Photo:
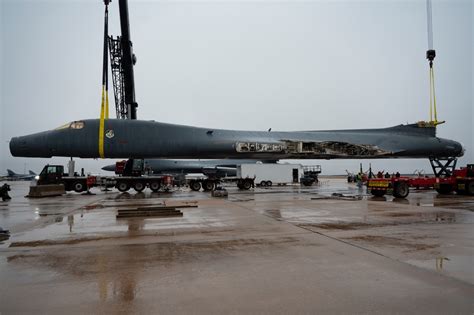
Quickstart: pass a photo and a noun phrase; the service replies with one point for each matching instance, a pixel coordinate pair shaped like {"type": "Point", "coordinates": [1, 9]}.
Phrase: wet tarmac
{"type": "Point", "coordinates": [270, 250]}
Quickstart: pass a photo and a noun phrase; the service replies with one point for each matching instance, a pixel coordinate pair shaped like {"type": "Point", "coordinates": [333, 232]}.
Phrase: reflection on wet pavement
{"type": "Point", "coordinates": [454, 264]}
{"type": "Point", "coordinates": [122, 270]}
{"type": "Point", "coordinates": [407, 246]}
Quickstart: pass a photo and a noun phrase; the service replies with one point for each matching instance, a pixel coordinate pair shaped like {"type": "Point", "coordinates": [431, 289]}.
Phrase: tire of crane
{"type": "Point", "coordinates": [138, 186]}
{"type": "Point", "coordinates": [470, 188]}
{"type": "Point", "coordinates": [208, 185]}
{"type": "Point", "coordinates": [269, 183]}
{"type": "Point", "coordinates": [263, 183]}
{"type": "Point", "coordinates": [195, 185]}
{"type": "Point", "coordinates": [246, 184]}
{"type": "Point", "coordinates": [378, 193]}
{"type": "Point", "coordinates": [444, 189]}
{"type": "Point", "coordinates": [401, 190]}
{"type": "Point", "coordinates": [79, 186]}
{"type": "Point", "coordinates": [155, 186]}
{"type": "Point", "coordinates": [123, 186]}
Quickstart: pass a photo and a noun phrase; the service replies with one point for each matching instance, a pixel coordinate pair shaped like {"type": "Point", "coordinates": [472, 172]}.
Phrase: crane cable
{"type": "Point", "coordinates": [430, 55]}
{"type": "Point", "coordinates": [432, 98]}
{"type": "Point", "coordinates": [104, 106]}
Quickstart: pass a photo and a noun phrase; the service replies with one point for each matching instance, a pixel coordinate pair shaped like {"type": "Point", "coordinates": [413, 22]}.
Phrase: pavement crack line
{"type": "Point", "coordinates": [345, 242]}
{"type": "Point", "coordinates": [322, 234]}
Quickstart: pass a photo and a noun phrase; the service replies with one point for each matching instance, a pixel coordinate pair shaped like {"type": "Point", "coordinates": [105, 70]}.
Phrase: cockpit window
{"type": "Point", "coordinates": [72, 125]}
{"type": "Point", "coordinates": [77, 125]}
{"type": "Point", "coordinates": [66, 126]}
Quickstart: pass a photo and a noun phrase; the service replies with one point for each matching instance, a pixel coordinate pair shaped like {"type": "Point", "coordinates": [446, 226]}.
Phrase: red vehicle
{"type": "Point", "coordinates": [422, 182]}
{"type": "Point", "coordinates": [396, 186]}
{"type": "Point", "coordinates": [462, 182]}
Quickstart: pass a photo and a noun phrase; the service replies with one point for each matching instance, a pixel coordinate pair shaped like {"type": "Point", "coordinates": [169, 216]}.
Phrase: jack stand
{"type": "Point", "coordinates": [443, 167]}
{"type": "Point", "coordinates": [71, 168]}
{"type": "Point", "coordinates": [103, 186]}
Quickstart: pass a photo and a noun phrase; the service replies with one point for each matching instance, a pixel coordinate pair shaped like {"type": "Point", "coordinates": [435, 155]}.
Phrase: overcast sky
{"type": "Point", "coordinates": [249, 65]}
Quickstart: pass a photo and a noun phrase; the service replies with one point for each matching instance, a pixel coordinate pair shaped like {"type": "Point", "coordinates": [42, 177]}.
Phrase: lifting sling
{"type": "Point", "coordinates": [104, 106]}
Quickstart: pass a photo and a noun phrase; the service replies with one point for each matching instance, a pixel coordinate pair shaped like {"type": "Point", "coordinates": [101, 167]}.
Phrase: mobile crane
{"type": "Point", "coordinates": [122, 61]}
{"type": "Point", "coordinates": [447, 178]}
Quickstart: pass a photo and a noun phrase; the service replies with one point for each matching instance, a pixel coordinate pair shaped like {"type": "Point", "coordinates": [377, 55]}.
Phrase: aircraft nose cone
{"type": "Point", "coordinates": [17, 146]}
{"type": "Point", "coordinates": [29, 146]}
{"type": "Point", "coordinates": [456, 148]}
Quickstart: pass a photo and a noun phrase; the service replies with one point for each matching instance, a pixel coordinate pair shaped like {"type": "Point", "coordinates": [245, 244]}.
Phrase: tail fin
{"type": "Point", "coordinates": [10, 172]}
{"type": "Point", "coordinates": [31, 172]}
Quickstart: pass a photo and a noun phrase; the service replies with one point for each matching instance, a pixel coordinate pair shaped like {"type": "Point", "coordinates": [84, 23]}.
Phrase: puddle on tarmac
{"type": "Point", "coordinates": [338, 196]}
{"type": "Point", "coordinates": [340, 225]}
{"type": "Point", "coordinates": [393, 241]}
{"type": "Point", "coordinates": [462, 266]}
{"type": "Point", "coordinates": [275, 213]}
{"type": "Point", "coordinates": [120, 271]}
{"type": "Point", "coordinates": [142, 195]}
{"type": "Point", "coordinates": [90, 226]}
{"type": "Point", "coordinates": [374, 221]}
{"type": "Point", "coordinates": [401, 201]}
{"type": "Point", "coordinates": [439, 216]}
{"type": "Point", "coordinates": [241, 199]}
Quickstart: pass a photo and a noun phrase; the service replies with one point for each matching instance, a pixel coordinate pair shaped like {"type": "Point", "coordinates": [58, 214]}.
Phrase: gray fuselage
{"type": "Point", "coordinates": [150, 139]}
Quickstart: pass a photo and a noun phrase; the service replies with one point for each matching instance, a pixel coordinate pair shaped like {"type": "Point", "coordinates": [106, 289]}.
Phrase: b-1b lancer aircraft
{"type": "Point", "coordinates": [149, 139]}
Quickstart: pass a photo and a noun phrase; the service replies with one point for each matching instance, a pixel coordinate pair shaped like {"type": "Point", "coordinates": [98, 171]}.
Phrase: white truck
{"type": "Point", "coordinates": [271, 173]}
{"type": "Point", "coordinates": [260, 174]}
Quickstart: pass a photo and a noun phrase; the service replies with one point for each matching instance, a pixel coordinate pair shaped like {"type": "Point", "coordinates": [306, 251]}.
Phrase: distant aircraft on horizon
{"type": "Point", "coordinates": [15, 176]}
